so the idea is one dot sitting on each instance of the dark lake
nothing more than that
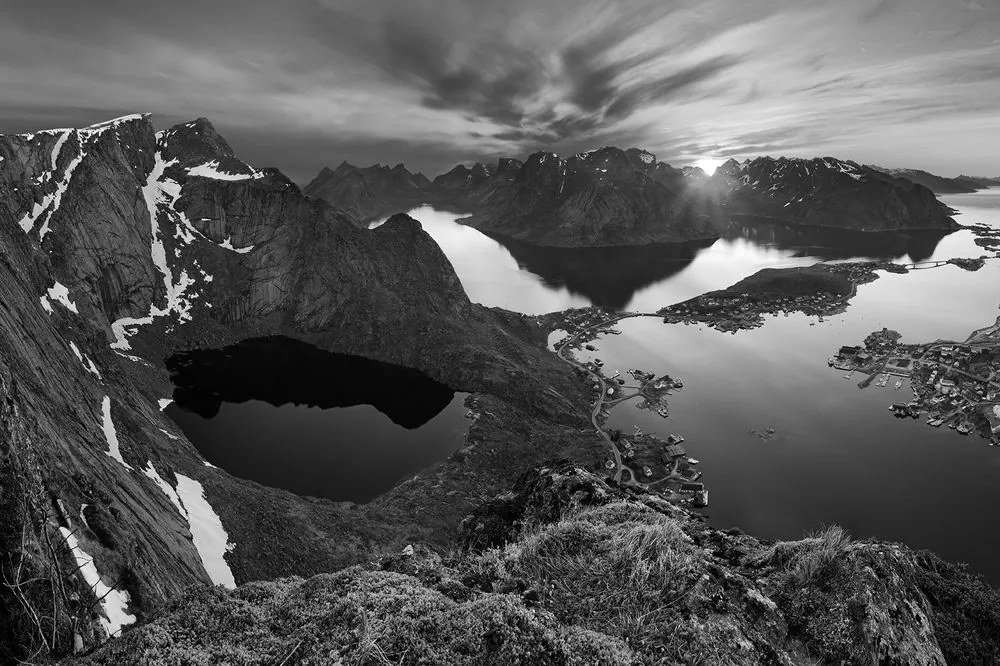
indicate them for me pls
(286, 414)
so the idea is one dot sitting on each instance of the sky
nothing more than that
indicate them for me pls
(302, 84)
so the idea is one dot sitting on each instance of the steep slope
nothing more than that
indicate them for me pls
(604, 197)
(826, 192)
(936, 184)
(369, 192)
(119, 247)
(567, 569)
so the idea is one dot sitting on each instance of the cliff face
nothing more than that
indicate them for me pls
(827, 192)
(567, 569)
(120, 246)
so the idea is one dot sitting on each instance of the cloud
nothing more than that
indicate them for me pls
(433, 82)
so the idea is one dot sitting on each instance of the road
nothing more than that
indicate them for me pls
(602, 401)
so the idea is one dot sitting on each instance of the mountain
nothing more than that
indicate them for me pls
(120, 247)
(826, 192)
(605, 197)
(613, 197)
(985, 181)
(366, 193)
(936, 184)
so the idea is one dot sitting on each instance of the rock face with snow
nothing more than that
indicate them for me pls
(826, 192)
(366, 193)
(120, 246)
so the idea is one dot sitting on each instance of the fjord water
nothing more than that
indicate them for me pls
(288, 415)
(838, 455)
(506, 273)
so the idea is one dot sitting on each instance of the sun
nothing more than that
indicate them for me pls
(708, 164)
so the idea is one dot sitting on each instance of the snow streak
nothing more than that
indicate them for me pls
(111, 435)
(113, 602)
(210, 537)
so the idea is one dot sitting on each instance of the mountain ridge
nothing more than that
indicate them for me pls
(614, 197)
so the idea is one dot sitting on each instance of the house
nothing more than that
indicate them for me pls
(848, 352)
(675, 450)
(692, 487)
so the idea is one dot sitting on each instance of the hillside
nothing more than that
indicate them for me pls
(567, 569)
(119, 247)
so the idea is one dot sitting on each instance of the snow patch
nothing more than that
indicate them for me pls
(113, 602)
(88, 364)
(50, 202)
(164, 403)
(228, 245)
(647, 158)
(157, 190)
(60, 293)
(46, 305)
(211, 170)
(209, 536)
(110, 434)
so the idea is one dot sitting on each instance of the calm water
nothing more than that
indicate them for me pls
(535, 280)
(839, 456)
(288, 415)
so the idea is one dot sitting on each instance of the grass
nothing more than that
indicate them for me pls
(617, 569)
(806, 560)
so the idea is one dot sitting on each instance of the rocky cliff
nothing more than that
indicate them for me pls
(826, 192)
(120, 246)
(567, 569)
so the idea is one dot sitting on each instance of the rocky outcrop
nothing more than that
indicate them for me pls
(565, 568)
(826, 192)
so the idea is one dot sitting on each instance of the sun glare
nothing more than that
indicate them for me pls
(708, 164)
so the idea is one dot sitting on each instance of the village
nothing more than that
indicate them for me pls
(641, 459)
(821, 290)
(956, 385)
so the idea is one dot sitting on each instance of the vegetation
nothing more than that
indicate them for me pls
(965, 611)
(571, 570)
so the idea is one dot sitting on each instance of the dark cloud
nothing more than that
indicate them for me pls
(433, 82)
(668, 87)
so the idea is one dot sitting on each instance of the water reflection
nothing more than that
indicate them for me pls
(829, 244)
(280, 371)
(606, 276)
(288, 415)
(503, 272)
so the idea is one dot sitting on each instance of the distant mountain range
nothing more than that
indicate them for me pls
(941, 184)
(615, 197)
